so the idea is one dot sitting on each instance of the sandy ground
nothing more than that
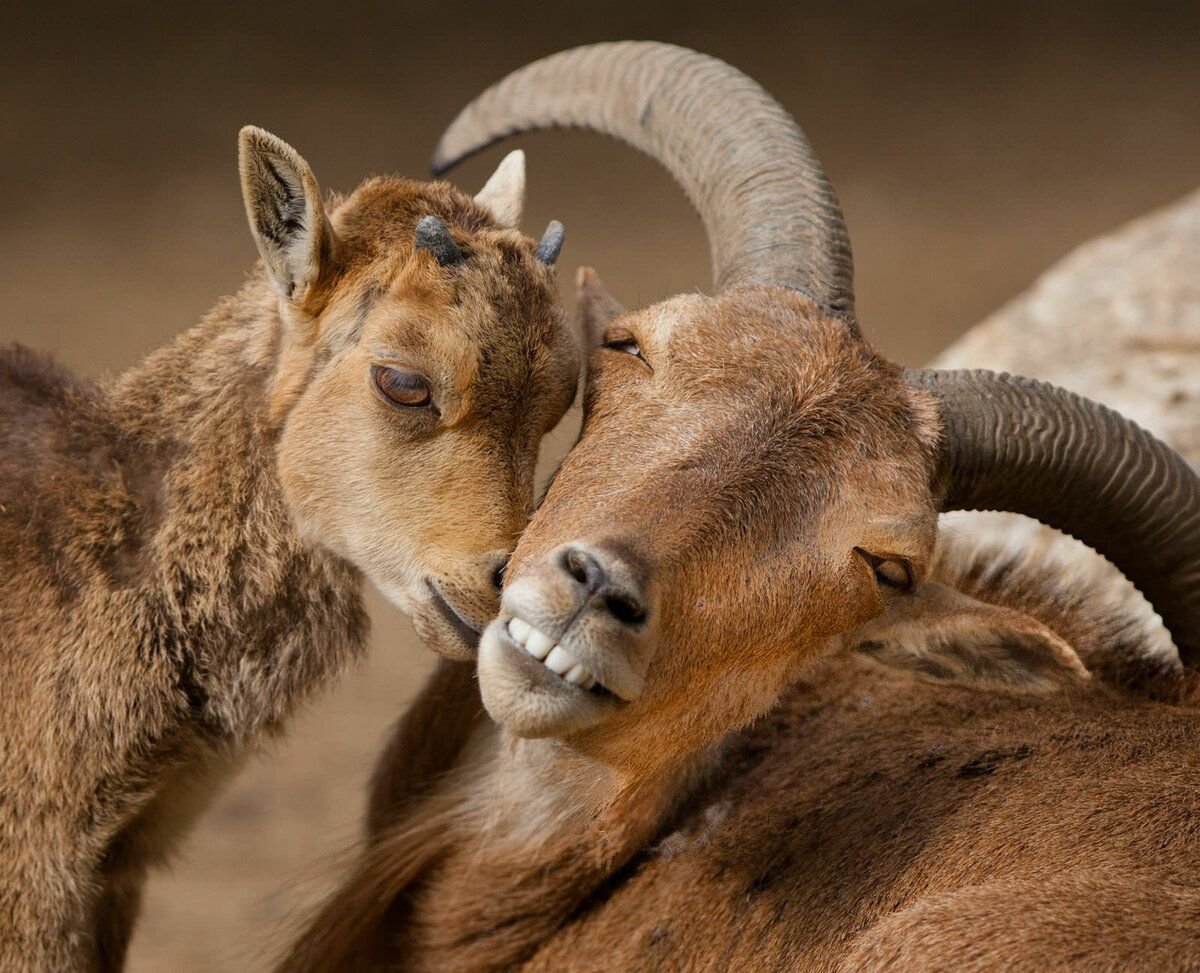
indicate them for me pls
(971, 147)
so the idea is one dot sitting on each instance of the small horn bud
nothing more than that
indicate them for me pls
(552, 241)
(433, 235)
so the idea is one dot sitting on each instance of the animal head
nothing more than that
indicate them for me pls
(424, 355)
(749, 476)
(754, 485)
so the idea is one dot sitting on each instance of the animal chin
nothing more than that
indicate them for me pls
(462, 642)
(535, 686)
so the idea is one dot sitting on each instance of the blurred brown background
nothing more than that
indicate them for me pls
(972, 144)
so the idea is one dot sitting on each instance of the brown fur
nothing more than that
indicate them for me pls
(750, 804)
(870, 821)
(181, 548)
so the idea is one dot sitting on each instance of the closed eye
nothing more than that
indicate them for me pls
(890, 572)
(623, 340)
(403, 389)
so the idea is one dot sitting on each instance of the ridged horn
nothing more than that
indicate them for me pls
(1016, 444)
(770, 212)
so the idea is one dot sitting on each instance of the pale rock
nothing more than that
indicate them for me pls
(1118, 320)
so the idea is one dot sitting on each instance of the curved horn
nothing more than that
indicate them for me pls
(1020, 445)
(771, 215)
(552, 241)
(433, 235)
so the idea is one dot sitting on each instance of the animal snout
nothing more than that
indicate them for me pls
(485, 574)
(605, 582)
(471, 589)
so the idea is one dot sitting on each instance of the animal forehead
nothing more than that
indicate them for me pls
(382, 214)
(516, 367)
(480, 338)
(777, 334)
(771, 472)
(777, 448)
(757, 394)
(376, 229)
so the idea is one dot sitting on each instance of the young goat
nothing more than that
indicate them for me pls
(754, 490)
(181, 549)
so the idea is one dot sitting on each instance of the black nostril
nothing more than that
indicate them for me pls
(583, 568)
(498, 575)
(625, 609)
(603, 587)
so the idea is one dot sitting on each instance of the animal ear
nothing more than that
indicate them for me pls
(504, 192)
(941, 634)
(287, 219)
(595, 307)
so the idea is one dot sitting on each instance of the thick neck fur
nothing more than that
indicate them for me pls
(260, 616)
(491, 859)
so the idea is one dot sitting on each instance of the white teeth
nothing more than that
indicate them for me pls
(519, 630)
(557, 659)
(560, 660)
(538, 644)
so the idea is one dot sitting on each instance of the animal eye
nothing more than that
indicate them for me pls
(894, 573)
(408, 389)
(619, 339)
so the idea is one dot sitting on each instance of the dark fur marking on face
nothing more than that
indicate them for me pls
(632, 560)
(467, 632)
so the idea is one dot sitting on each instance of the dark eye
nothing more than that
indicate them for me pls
(890, 572)
(408, 389)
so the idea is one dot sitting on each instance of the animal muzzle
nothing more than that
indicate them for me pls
(463, 600)
(604, 583)
(584, 613)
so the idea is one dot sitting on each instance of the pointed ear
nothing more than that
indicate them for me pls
(504, 192)
(941, 634)
(595, 307)
(287, 219)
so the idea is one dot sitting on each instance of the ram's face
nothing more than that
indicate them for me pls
(735, 502)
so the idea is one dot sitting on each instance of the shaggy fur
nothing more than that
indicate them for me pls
(178, 567)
